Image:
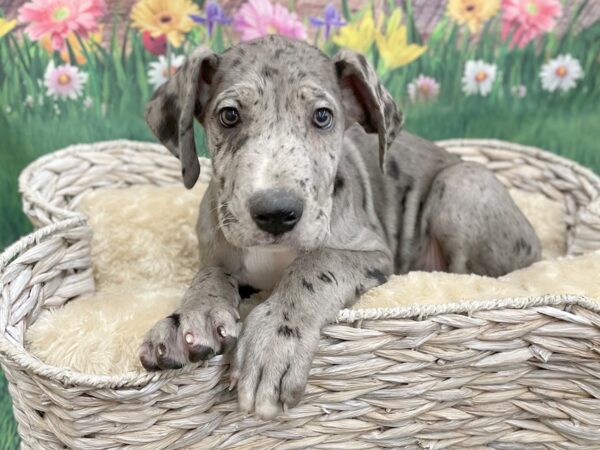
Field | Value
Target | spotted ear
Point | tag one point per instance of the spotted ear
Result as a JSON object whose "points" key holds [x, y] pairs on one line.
{"points": [[171, 111], [365, 99]]}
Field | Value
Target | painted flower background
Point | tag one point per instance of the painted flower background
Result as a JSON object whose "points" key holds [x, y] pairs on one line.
{"points": [[123, 57]]}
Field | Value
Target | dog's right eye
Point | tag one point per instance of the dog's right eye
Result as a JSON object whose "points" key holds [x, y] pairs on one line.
{"points": [[229, 117], [323, 118]]}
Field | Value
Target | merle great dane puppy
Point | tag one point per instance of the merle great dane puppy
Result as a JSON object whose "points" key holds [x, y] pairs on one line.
{"points": [[299, 204]]}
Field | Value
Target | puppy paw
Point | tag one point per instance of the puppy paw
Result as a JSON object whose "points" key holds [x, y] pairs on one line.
{"points": [[190, 336], [272, 360]]}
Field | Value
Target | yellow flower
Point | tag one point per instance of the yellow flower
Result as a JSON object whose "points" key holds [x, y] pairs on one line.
{"points": [[473, 12], [6, 26], [168, 17], [94, 38], [393, 46], [357, 36]]}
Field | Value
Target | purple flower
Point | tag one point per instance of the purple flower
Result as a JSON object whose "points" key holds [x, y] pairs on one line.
{"points": [[214, 14], [332, 19]]}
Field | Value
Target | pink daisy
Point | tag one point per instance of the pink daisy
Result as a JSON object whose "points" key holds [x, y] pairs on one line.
{"points": [[260, 17], [57, 18], [528, 19], [64, 81], [423, 89]]}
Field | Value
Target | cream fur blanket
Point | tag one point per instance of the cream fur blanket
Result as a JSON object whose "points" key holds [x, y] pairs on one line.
{"points": [[145, 253]]}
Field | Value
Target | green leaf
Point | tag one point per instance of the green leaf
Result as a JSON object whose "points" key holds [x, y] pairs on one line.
{"points": [[346, 11], [413, 32], [92, 68], [438, 32], [140, 69], [217, 43], [72, 57]]}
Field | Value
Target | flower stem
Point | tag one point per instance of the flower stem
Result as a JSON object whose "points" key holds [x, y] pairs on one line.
{"points": [[168, 60]]}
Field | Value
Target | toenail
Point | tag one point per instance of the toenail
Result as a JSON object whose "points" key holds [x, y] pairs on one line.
{"points": [[189, 338], [221, 331], [161, 350]]}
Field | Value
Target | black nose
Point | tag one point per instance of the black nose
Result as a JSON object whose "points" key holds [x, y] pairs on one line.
{"points": [[276, 210]]}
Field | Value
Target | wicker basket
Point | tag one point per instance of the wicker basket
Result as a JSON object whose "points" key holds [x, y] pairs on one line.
{"points": [[519, 373]]}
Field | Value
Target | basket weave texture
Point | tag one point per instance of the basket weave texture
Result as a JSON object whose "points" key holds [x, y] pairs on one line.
{"points": [[504, 374]]}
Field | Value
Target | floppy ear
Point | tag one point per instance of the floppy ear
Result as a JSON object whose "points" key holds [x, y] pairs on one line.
{"points": [[365, 99], [171, 110]]}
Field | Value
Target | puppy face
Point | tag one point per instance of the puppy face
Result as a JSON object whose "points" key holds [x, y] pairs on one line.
{"points": [[274, 111], [274, 123]]}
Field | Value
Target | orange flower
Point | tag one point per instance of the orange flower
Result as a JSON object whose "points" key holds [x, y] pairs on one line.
{"points": [[473, 13], [94, 39], [168, 17]]}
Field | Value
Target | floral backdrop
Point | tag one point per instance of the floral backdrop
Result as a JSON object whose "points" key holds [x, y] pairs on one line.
{"points": [[80, 71]]}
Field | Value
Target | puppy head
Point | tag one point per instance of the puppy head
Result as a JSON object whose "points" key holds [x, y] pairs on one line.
{"points": [[274, 111]]}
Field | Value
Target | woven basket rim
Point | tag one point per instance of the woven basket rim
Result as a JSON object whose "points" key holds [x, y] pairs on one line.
{"points": [[536, 152], [34, 197], [25, 360]]}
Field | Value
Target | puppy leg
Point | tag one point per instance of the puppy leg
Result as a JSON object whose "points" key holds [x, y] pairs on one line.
{"points": [[280, 336], [433, 259], [479, 227], [204, 325]]}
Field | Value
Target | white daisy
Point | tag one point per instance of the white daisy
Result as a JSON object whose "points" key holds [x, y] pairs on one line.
{"points": [[561, 73], [478, 78], [87, 102], [519, 91], [160, 71]]}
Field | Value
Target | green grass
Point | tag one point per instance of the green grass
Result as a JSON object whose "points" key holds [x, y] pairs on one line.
{"points": [[570, 133], [9, 440]]}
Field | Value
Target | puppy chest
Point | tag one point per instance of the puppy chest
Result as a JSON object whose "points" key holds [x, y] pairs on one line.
{"points": [[264, 266]]}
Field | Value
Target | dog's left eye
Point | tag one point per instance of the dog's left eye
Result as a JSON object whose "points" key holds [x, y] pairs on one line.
{"points": [[229, 117], [323, 118]]}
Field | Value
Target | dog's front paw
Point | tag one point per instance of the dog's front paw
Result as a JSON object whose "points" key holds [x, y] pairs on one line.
{"points": [[190, 336], [273, 359]]}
